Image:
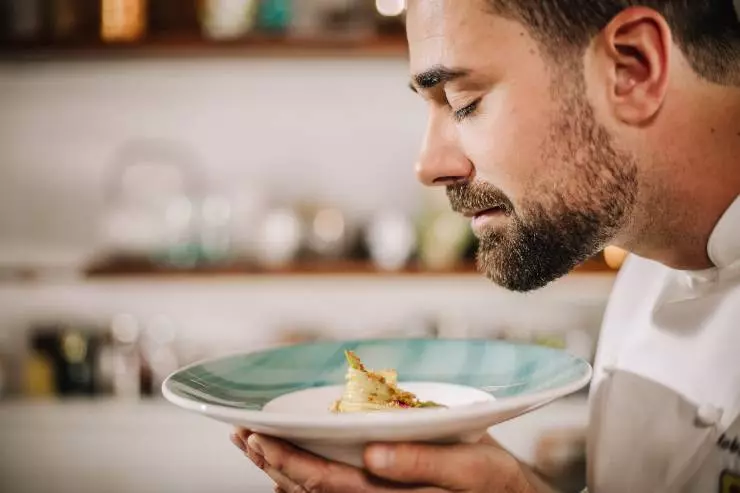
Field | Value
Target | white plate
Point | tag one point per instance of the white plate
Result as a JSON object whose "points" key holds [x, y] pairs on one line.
{"points": [[287, 392]]}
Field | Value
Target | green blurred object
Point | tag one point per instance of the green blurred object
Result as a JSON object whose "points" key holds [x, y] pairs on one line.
{"points": [[444, 235], [554, 341], [274, 15]]}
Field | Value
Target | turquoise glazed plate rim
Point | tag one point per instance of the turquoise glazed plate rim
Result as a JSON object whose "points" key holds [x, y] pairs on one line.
{"points": [[244, 389]]}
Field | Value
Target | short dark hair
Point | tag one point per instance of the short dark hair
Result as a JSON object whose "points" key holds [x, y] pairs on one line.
{"points": [[707, 31]]}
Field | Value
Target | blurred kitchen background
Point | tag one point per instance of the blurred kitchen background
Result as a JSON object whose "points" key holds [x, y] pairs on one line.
{"points": [[183, 179]]}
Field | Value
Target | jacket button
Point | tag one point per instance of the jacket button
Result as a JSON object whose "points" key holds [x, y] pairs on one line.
{"points": [[708, 415]]}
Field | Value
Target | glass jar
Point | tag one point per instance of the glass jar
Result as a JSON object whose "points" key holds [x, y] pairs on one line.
{"points": [[228, 19]]}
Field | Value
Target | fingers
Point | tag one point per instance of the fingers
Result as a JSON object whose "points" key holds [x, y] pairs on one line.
{"points": [[238, 442], [453, 467], [256, 457], [302, 468], [282, 482], [239, 438], [297, 471]]}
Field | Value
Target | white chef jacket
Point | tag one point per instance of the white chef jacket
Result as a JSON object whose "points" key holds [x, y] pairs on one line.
{"points": [[665, 396]]}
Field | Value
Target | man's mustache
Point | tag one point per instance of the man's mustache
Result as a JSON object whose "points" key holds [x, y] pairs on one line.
{"points": [[467, 197]]}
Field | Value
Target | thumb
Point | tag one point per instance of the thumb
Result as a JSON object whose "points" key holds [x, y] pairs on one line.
{"points": [[453, 467]]}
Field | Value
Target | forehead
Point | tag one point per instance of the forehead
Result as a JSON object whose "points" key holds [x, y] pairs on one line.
{"points": [[461, 33]]}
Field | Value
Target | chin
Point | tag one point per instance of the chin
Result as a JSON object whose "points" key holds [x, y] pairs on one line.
{"points": [[520, 275], [515, 284]]}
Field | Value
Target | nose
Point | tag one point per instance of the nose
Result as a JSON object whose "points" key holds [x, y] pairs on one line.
{"points": [[441, 161]]}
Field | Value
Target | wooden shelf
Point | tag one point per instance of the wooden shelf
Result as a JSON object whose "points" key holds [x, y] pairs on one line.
{"points": [[126, 268], [191, 46]]}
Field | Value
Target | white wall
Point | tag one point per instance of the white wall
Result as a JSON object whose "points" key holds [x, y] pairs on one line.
{"points": [[345, 131]]}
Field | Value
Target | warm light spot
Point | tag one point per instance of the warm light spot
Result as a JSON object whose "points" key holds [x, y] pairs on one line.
{"points": [[122, 20], [614, 256]]}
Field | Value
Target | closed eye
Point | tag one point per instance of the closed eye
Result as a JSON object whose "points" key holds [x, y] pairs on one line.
{"points": [[466, 111]]}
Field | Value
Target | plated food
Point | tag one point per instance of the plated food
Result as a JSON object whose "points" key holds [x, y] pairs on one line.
{"points": [[366, 390], [286, 392]]}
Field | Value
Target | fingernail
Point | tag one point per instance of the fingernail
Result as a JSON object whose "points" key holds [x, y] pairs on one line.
{"points": [[255, 453], [254, 444], [381, 457], [238, 442]]}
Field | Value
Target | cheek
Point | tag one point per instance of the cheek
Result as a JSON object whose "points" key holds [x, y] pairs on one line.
{"points": [[505, 140]]}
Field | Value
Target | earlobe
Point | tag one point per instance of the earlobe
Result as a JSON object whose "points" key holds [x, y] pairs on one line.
{"points": [[638, 44]]}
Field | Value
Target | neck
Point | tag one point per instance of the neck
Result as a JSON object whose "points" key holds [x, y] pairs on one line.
{"points": [[693, 180]]}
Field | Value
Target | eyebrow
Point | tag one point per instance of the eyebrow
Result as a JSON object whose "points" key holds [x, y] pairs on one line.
{"points": [[435, 76]]}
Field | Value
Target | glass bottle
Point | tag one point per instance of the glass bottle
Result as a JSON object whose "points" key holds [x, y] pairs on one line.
{"points": [[123, 20]]}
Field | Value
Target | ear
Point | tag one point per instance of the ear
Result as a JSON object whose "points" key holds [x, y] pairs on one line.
{"points": [[636, 46]]}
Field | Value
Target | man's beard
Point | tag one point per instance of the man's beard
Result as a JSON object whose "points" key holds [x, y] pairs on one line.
{"points": [[558, 226]]}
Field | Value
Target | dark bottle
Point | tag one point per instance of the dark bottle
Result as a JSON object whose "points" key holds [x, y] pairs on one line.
{"points": [[77, 350], [73, 20], [173, 18], [23, 21], [71, 354]]}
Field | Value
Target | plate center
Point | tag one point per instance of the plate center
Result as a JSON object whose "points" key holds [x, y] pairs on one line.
{"points": [[319, 400]]}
